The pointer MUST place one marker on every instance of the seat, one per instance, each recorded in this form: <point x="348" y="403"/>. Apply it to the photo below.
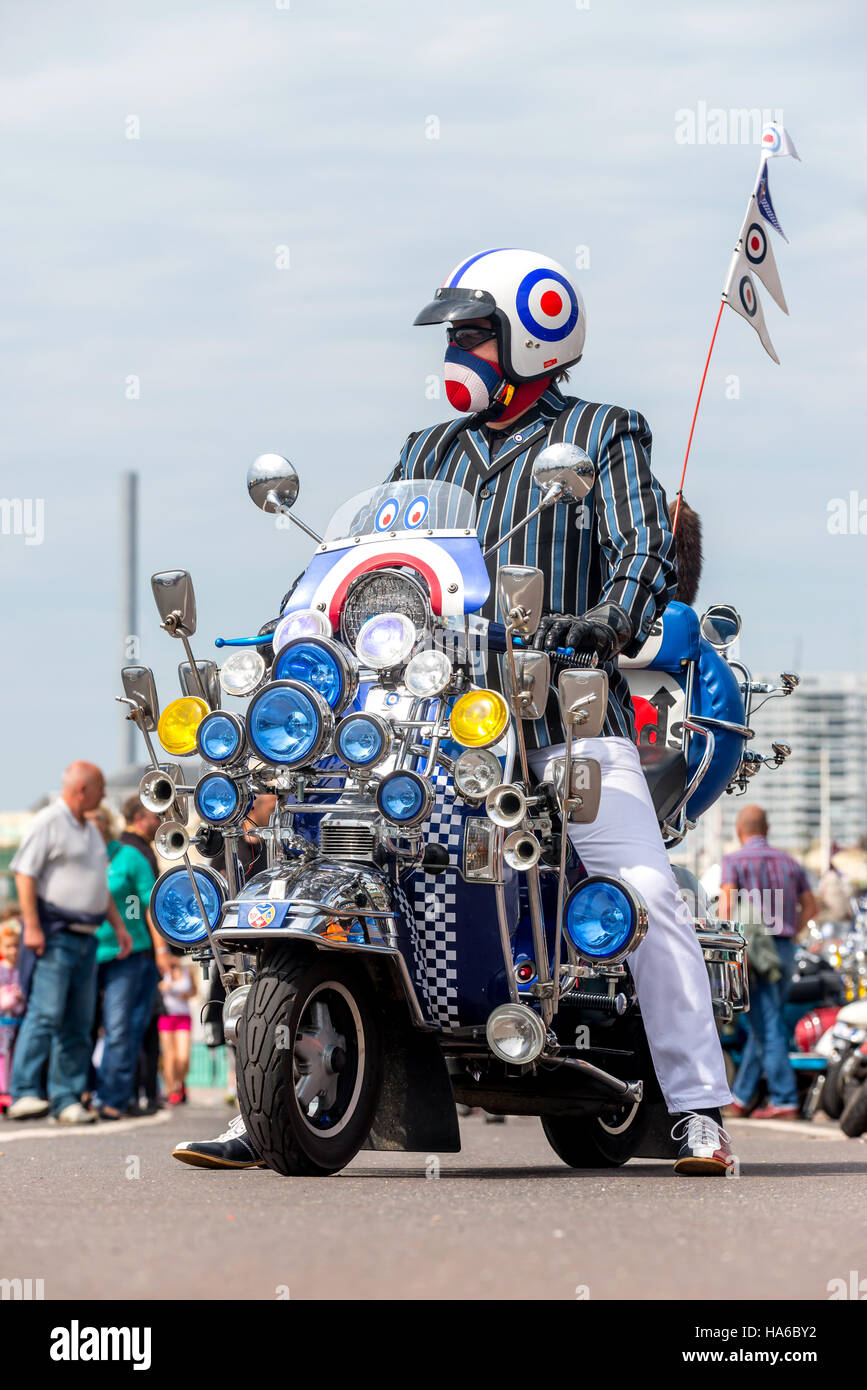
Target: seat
<point x="666" y="773"/>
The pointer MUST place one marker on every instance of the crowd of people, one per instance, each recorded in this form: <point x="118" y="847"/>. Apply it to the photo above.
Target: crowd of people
<point x="93" y="1003"/>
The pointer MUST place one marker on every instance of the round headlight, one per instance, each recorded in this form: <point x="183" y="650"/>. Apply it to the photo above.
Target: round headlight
<point x="219" y="800"/>
<point x="319" y="662"/>
<point x="428" y="673"/>
<point x="379" y="592"/>
<point x="478" y="718"/>
<point x="476" y="772"/>
<point x="289" y="724"/>
<point x="605" y="919"/>
<point x="385" y="641"/>
<point x="243" y="671"/>
<point x="405" y="798"/>
<point x="174" y="908"/>
<point x="362" y="740"/>
<point x="178" y="724"/>
<point x="306" y="622"/>
<point x="515" y="1033"/>
<point x="220" y="738"/>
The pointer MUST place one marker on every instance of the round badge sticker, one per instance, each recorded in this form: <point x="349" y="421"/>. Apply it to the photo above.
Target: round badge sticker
<point x="387" y="515"/>
<point x="416" y="513"/>
<point x="747" y="296"/>
<point x="546" y="305"/>
<point x="755" y="244"/>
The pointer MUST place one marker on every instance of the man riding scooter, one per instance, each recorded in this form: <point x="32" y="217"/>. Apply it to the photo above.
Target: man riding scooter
<point x="514" y="323"/>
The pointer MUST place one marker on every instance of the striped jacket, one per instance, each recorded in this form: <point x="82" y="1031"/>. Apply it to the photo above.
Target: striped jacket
<point x="617" y="545"/>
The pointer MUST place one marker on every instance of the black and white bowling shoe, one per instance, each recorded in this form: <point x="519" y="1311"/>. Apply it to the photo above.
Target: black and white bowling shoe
<point x="230" y="1150"/>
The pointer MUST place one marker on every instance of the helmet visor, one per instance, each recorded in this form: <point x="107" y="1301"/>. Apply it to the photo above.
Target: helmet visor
<point x="451" y="305"/>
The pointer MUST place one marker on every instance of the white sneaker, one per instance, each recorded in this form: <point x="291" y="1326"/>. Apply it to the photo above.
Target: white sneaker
<point x="28" y="1108"/>
<point x="75" y="1114"/>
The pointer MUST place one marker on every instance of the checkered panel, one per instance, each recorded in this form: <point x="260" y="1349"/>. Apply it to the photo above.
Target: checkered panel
<point x="436" y="910"/>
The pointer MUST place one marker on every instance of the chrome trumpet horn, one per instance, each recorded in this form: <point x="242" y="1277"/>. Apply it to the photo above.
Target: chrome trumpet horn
<point x="157" y="791"/>
<point x="171" y="840"/>
<point x="506" y="806"/>
<point x="521" y="850"/>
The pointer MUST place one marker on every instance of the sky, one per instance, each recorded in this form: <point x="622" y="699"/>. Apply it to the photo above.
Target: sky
<point x="220" y="219"/>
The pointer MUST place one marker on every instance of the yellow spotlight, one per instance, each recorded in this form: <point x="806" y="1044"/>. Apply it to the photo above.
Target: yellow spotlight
<point x="478" y="718"/>
<point x="178" y="724"/>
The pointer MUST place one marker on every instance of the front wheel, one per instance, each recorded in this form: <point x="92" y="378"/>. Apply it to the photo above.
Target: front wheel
<point x="853" y="1121"/>
<point x="309" y="1062"/>
<point x="597" y="1141"/>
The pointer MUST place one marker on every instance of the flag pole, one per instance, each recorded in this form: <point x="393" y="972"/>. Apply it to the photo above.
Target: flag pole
<point x="679" y="493"/>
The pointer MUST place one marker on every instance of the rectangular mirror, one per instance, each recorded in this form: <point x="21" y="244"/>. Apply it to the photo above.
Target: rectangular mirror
<point x="140" y="687"/>
<point x="209" y="674"/>
<point x="534" y="679"/>
<point x="176" y="601"/>
<point x="586" y="787"/>
<point x="583" y="698"/>
<point x="521" y="597"/>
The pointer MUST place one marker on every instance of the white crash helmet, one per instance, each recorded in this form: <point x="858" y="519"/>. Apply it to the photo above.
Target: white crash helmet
<point x="537" y="309"/>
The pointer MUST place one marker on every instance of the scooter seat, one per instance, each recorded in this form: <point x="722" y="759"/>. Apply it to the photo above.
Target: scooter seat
<point x="666" y="773"/>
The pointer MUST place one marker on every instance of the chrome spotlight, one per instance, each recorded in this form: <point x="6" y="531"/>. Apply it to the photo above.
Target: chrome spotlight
<point x="515" y="1033"/>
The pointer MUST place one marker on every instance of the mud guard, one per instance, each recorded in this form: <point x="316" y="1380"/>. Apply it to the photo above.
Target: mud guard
<point x="416" y="1110"/>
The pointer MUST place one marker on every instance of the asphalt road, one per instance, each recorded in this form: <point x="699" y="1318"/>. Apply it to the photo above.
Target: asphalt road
<point x="107" y="1213"/>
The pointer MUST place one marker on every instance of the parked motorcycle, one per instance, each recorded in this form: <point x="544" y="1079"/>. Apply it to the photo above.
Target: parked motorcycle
<point x="423" y="934"/>
<point x="845" y="1045"/>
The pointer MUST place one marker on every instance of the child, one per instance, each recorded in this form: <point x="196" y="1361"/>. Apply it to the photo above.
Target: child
<point x="12" y="1002"/>
<point x="177" y="989"/>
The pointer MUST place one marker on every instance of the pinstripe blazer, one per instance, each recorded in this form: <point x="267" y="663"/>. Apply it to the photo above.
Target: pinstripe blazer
<point x="616" y="545"/>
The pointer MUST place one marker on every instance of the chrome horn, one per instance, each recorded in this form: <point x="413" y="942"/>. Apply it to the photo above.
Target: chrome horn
<point x="521" y="850"/>
<point x="157" y="791"/>
<point x="506" y="806"/>
<point x="171" y="840"/>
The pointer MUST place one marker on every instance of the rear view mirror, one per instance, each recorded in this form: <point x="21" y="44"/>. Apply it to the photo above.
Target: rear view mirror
<point x="720" y="626"/>
<point x="521" y="596"/>
<point x="176" y="601"/>
<point x="140" y="687"/>
<point x="533" y="670"/>
<point x="583" y="701"/>
<point x="585" y="791"/>
<point x="209" y="675"/>
<point x="272" y="482"/>
<point x="565" y="471"/>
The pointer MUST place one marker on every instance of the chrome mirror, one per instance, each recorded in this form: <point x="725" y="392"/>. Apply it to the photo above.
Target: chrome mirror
<point x="209" y="678"/>
<point x="585" y="791"/>
<point x="533" y="670"/>
<point x="583" y="696"/>
<point x="140" y="688"/>
<point x="521" y="596"/>
<point x="564" y="473"/>
<point x="273" y="483"/>
<point x="720" y="626"/>
<point x="176" y="601"/>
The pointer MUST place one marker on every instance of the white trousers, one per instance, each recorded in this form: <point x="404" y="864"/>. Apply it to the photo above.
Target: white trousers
<point x="668" y="968"/>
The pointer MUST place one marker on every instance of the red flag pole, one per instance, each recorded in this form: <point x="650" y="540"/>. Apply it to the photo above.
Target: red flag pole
<point x="694" y="415"/>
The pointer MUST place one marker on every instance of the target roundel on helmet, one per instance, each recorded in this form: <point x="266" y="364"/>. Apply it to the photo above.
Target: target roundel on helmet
<point x="747" y="296"/>
<point x="755" y="244"/>
<point x="415" y="513"/>
<point x="546" y="305"/>
<point x="386" y="516"/>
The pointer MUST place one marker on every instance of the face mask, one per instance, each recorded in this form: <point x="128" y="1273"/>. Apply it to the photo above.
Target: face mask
<point x="472" y="383"/>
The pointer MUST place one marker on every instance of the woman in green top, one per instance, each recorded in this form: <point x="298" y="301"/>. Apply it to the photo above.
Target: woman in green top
<point x="127" y="985"/>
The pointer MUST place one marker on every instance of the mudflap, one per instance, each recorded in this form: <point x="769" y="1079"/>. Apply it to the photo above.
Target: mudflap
<point x="416" y="1110"/>
<point x="656" y="1140"/>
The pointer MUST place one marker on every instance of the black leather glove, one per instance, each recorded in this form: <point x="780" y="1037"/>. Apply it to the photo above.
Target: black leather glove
<point x="604" y="630"/>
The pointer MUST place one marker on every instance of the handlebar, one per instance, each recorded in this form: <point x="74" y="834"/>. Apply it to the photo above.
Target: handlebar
<point x="564" y="656"/>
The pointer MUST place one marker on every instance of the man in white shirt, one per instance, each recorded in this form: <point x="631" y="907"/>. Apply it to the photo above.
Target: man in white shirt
<point x="60" y="876"/>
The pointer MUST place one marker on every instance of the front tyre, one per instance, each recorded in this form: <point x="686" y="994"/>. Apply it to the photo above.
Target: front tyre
<point x="309" y="1061"/>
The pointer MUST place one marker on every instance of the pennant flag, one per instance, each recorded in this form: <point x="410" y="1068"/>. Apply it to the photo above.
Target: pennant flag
<point x="756" y="247"/>
<point x="763" y="198"/>
<point x="740" y="294"/>
<point x="776" y="140"/>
